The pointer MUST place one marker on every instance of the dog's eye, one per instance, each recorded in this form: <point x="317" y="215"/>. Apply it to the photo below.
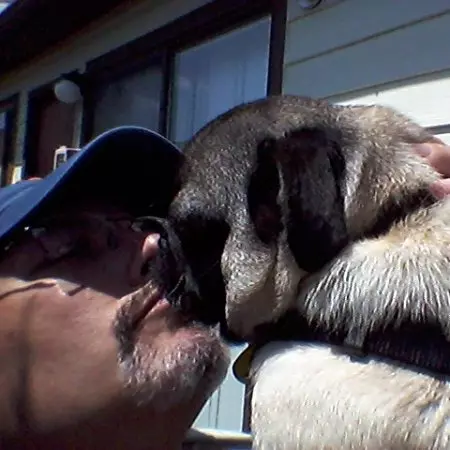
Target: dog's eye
<point x="202" y="242"/>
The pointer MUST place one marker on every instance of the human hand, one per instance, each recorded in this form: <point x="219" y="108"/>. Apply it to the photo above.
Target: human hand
<point x="438" y="156"/>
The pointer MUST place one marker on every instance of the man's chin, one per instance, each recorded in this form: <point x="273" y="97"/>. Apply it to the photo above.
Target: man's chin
<point x="168" y="359"/>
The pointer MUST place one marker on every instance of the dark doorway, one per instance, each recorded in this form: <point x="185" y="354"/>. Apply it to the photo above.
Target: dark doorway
<point x="51" y="124"/>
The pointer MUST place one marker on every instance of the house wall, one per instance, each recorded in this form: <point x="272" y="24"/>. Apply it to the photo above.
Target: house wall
<point x="117" y="28"/>
<point x="365" y="51"/>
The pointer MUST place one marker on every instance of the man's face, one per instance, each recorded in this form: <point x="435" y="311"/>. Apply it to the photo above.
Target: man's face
<point x="86" y="338"/>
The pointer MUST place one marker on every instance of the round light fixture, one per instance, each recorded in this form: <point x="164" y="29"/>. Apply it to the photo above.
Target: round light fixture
<point x="67" y="91"/>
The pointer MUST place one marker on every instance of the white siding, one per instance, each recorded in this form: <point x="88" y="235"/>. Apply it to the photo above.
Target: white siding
<point x="343" y="23"/>
<point x="365" y="51"/>
<point x="425" y="99"/>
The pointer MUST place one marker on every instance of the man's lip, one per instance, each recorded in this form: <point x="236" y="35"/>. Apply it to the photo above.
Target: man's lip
<point x="154" y="298"/>
<point x="143" y="302"/>
<point x="149" y="306"/>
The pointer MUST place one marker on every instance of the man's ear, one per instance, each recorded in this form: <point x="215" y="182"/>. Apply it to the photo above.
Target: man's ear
<point x="296" y="186"/>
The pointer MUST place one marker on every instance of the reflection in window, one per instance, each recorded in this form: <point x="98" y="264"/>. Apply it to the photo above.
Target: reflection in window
<point x="217" y="75"/>
<point x="132" y="100"/>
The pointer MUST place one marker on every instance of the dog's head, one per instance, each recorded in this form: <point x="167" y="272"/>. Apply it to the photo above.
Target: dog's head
<point x="273" y="190"/>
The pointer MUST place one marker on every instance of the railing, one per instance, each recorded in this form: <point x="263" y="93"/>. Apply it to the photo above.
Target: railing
<point x="211" y="439"/>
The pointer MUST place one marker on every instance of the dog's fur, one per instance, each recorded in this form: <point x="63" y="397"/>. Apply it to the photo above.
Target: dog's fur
<point x="292" y="206"/>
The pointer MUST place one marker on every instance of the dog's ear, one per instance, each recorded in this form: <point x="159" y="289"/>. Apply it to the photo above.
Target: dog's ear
<point x="296" y="185"/>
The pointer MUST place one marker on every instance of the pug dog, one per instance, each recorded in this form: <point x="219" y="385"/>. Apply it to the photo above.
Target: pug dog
<point x="309" y="230"/>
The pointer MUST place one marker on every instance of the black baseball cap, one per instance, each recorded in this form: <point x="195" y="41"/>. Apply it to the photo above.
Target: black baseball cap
<point x="132" y="166"/>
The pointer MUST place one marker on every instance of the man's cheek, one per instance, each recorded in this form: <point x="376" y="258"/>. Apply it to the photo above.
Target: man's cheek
<point x="105" y="273"/>
<point x="23" y="261"/>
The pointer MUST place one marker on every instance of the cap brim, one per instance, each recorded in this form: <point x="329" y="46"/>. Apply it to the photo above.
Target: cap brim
<point x="131" y="165"/>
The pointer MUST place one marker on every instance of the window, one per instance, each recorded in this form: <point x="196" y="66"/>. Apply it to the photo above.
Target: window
<point x="217" y="75"/>
<point x="131" y="100"/>
<point x="232" y="50"/>
<point x="7" y="133"/>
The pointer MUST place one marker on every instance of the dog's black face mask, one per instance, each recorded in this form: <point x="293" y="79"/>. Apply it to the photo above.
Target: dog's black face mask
<point x="202" y="242"/>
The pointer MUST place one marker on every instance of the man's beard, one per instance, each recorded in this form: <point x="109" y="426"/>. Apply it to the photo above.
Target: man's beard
<point x="190" y="360"/>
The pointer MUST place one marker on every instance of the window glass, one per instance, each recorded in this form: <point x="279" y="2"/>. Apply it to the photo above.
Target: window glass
<point x="217" y="75"/>
<point x="208" y="80"/>
<point x="132" y="100"/>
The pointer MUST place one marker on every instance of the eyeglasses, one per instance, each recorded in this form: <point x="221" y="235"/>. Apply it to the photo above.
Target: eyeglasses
<point x="64" y="235"/>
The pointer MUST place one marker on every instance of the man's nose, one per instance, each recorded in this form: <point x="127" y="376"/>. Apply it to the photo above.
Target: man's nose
<point x="139" y="266"/>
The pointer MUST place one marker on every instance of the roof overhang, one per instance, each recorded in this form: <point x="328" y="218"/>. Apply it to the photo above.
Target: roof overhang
<point x="30" y="27"/>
